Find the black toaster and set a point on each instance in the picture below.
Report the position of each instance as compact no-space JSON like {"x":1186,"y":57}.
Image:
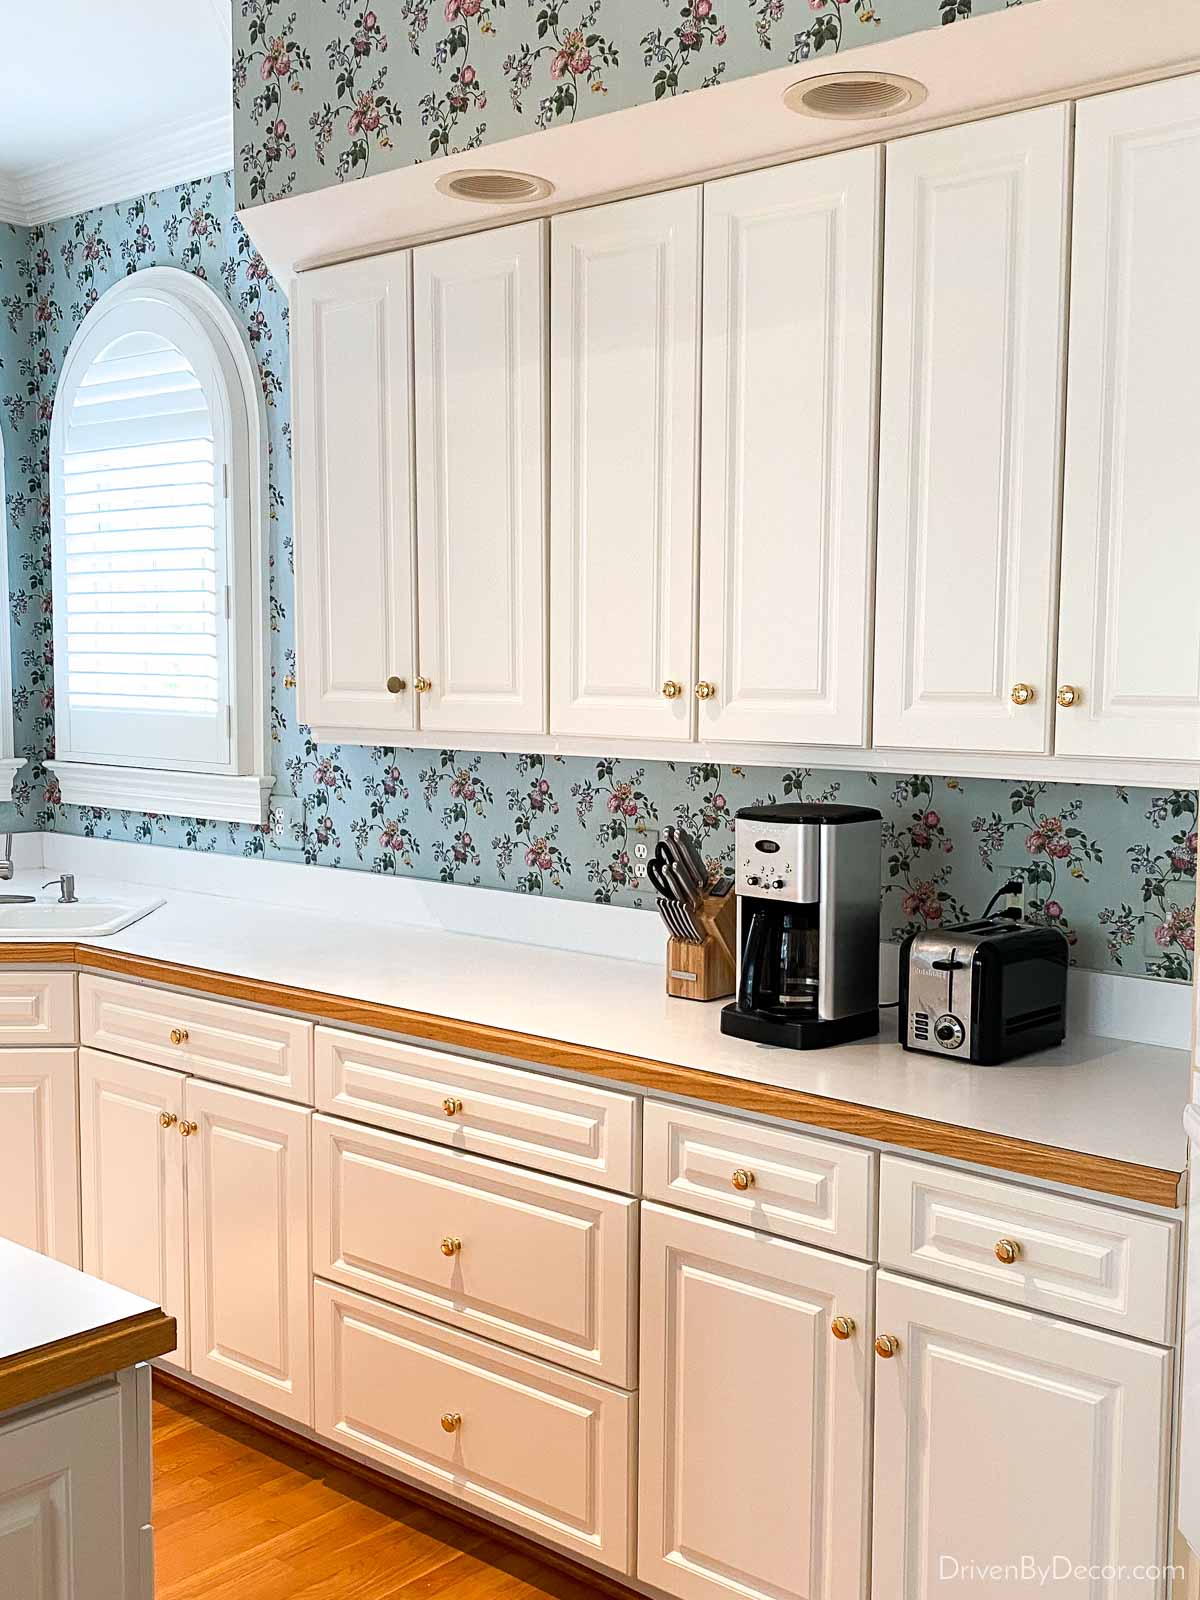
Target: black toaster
{"x":984,"y":991}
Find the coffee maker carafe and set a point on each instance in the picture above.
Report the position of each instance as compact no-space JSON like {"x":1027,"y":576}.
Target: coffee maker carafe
{"x":807,"y":879}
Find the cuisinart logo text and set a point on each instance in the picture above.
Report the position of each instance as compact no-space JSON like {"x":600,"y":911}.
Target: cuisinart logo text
{"x":1060,"y":1569}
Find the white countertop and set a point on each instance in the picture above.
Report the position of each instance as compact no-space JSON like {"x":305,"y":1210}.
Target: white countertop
{"x":1094,"y":1095}
{"x":43,"y":1302}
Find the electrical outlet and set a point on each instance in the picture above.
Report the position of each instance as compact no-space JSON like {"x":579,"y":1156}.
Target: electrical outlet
{"x":285,"y":821}
{"x":1016,"y":900}
{"x":643,"y":842}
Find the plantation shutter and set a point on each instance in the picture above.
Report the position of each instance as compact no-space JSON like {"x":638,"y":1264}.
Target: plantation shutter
{"x":141,"y":542}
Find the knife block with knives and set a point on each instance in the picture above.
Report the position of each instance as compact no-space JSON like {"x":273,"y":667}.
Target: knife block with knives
{"x":700,"y":916}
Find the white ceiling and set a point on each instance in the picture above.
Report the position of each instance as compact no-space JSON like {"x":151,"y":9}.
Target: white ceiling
{"x":98,"y":93}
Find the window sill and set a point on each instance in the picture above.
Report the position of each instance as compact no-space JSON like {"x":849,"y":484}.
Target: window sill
{"x":9,"y":767}
{"x":213,"y":796}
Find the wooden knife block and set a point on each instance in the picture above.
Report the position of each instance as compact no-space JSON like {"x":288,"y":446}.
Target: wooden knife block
{"x":706,"y":971}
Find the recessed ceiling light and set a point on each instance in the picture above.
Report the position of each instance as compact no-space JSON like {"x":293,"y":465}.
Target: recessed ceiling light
{"x":850,"y":96}
{"x":495,"y":188}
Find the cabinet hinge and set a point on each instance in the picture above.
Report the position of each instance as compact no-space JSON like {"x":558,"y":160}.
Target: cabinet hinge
{"x":228,"y":603}
{"x":225,"y":479}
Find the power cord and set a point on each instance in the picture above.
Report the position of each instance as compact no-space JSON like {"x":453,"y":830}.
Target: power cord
{"x":1013,"y":886}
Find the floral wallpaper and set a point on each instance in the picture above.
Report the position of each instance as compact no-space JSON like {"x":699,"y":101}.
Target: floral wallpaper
{"x":327,"y":90}
{"x":1115,"y":868}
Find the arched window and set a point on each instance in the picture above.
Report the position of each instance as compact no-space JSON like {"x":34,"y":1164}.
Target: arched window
{"x":157,"y":465}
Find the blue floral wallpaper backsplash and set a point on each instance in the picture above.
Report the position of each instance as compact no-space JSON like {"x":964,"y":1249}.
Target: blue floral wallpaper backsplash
{"x":1115,"y":868}
{"x":326,"y":90}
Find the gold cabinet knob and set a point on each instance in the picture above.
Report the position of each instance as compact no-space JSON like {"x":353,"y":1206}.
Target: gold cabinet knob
{"x":705,"y":691}
{"x":1068,"y":695}
{"x":167,"y":1119}
{"x":743,"y":1179}
{"x":1007,"y":1251}
{"x":179,"y":1035}
{"x":1023,"y":694}
{"x":672,"y":689}
{"x":842,"y":1327}
{"x":189,"y":1128}
{"x":451,"y":1105}
{"x":396,"y":685}
{"x":886,"y":1346}
{"x":422,"y":685}
{"x":451,"y":1246}
{"x":451,"y":1421}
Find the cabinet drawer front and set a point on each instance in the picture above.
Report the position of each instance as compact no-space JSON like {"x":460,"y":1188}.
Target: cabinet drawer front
{"x":1090,"y":1262}
{"x":539,"y":1264}
{"x":226,"y":1043}
{"x":37,"y":1008}
{"x":567,"y":1128}
{"x":540,"y":1447}
{"x":800,"y":1188}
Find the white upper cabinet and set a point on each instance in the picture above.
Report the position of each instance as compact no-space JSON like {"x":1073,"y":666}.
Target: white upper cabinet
{"x":970,"y":434}
{"x":351,"y":343}
{"x":479,"y":319}
{"x":787,"y":484}
{"x":1129,"y":645}
{"x":624,"y":366}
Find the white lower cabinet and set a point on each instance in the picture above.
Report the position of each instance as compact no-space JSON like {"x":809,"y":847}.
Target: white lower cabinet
{"x":131,"y":1161}
{"x":1005,"y":1437}
{"x":547,"y":1450}
{"x":755,"y":1418}
{"x":69,"y":1517}
{"x":248,"y":1246}
{"x":39,"y":1195}
{"x":197,"y":1197}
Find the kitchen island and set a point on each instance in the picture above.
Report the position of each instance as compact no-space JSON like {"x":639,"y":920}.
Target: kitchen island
{"x":74,"y":1431}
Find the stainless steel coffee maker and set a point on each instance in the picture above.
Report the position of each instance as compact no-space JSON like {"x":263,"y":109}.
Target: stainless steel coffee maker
{"x":807,"y":880}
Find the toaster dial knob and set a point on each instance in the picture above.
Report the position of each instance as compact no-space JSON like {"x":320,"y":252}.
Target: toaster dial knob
{"x":949,"y":1032}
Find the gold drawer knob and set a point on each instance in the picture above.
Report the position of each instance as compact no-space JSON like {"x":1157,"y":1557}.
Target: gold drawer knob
{"x":451,"y":1246}
{"x":422,"y":685}
{"x":1007,"y":1251}
{"x":842,"y":1327}
{"x":451,"y":1105}
{"x":167,"y":1119}
{"x":672,"y":689}
{"x":189,"y":1128}
{"x":179,"y":1035}
{"x":743,"y":1179}
{"x":396,"y":685}
{"x":705,"y":691}
{"x":451,"y":1421}
{"x":1068,"y":695}
{"x":886,"y":1346}
{"x":1023,"y":695}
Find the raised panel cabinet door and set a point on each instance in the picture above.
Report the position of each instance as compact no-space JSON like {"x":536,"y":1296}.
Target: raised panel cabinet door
{"x":351,"y":343}
{"x":1009,"y":1439}
{"x":39,"y":1152}
{"x":63,"y":1521}
{"x":132,"y":1181}
{"x":755,"y":1417}
{"x":788,"y":484}
{"x":1129,"y":645}
{"x":248,"y":1246}
{"x":624,"y":367}
{"x":970,"y":434}
{"x":479,"y":312}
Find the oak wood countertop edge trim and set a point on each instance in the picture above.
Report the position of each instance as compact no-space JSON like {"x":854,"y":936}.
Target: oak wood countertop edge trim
{"x":1124,"y":1180}
{"x":52,"y":1369}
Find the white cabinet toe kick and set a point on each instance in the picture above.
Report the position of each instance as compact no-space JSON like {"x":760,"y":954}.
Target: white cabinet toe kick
{"x":704,"y":1351}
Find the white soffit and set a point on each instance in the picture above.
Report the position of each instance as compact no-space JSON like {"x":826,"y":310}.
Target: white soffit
{"x":100,"y":102}
{"x":1025,"y":55}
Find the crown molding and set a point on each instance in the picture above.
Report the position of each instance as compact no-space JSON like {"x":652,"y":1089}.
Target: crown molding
{"x":194,"y":148}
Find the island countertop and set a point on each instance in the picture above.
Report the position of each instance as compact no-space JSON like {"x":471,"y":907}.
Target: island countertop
{"x":60,"y":1328}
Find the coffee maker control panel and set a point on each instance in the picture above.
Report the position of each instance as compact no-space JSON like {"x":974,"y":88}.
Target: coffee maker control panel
{"x":778,"y":862}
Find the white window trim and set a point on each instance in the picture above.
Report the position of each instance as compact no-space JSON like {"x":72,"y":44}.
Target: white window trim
{"x":10,"y":762}
{"x":242,"y":793}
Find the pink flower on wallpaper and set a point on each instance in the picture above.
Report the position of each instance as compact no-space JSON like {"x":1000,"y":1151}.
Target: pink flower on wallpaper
{"x":1054,"y":911}
{"x":572,"y":57}
{"x":365,"y":117}
{"x":538,"y":855}
{"x":277,"y":61}
{"x":921,"y":900}
{"x":462,"y":8}
{"x":1179,"y":928}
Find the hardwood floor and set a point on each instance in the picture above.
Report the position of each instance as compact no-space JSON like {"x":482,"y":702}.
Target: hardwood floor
{"x":240,"y":1515}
